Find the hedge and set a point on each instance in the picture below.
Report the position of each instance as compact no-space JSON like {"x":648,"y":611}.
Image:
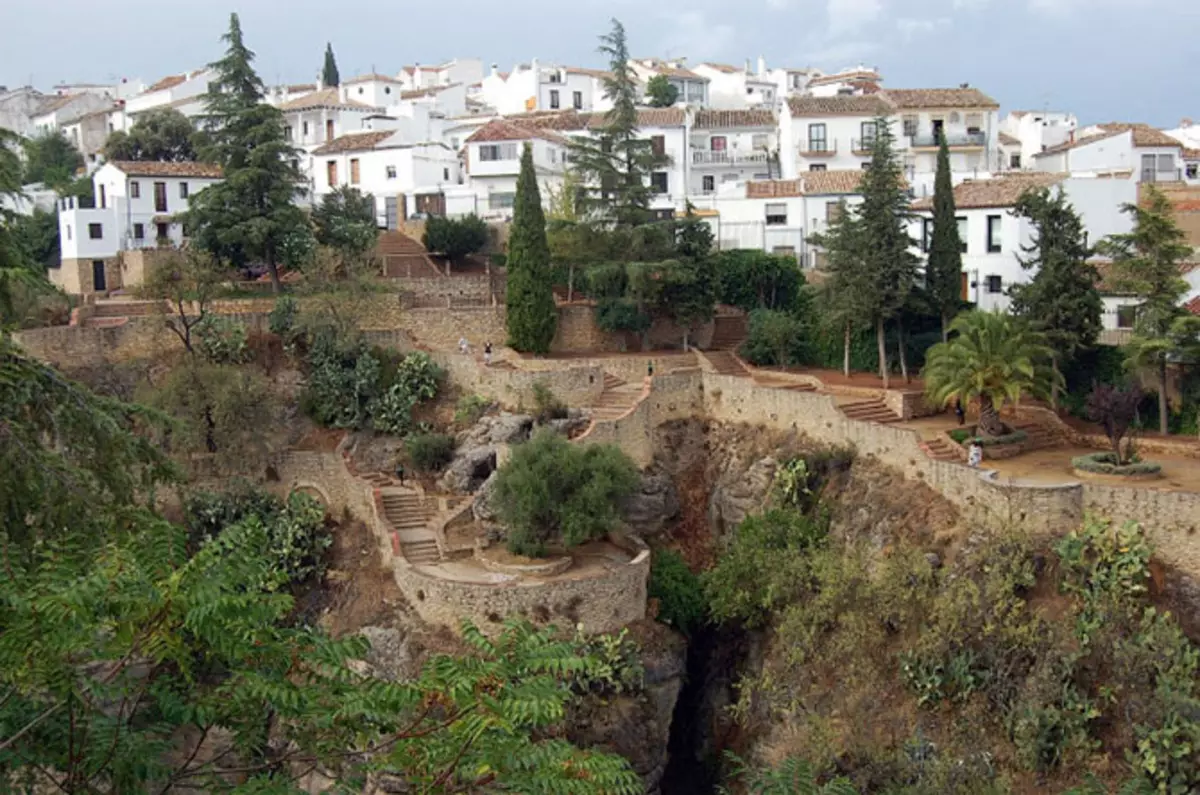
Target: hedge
{"x":1015,"y":437}
{"x":1107,"y":464}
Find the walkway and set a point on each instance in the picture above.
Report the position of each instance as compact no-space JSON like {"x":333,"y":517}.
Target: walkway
{"x":617,"y":398}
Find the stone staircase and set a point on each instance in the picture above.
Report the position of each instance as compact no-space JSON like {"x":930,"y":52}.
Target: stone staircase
{"x":409,"y":516}
{"x":108,"y":313}
{"x":939,"y":448}
{"x":869,"y":411}
{"x":725,"y":363}
{"x":617,"y":398}
{"x":1040,"y":437}
{"x":729,"y":331}
{"x":404,"y":257}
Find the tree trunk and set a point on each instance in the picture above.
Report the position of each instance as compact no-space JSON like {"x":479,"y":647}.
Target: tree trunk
{"x":881,"y":343}
{"x":945,"y":328}
{"x":846,"y":351}
{"x":900,"y":347}
{"x":273,"y":269}
{"x":570,"y":283}
{"x":1054,"y":386}
{"x":989,"y":418}
{"x":1162,"y":396}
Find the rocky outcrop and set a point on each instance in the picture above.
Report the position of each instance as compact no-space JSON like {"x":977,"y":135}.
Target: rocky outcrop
{"x":503,"y":428}
{"x":738,"y":494}
{"x":653,"y":506}
{"x":469,"y":470}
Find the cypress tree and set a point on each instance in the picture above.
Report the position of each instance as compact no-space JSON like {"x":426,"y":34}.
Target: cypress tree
{"x":532,"y":315}
{"x":329,"y":73}
{"x":943,"y":271}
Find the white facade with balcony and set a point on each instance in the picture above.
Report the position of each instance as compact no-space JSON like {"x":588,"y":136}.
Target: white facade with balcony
{"x":828,"y":133}
{"x":1148,"y":154}
{"x":730,"y":147}
{"x":493,"y":157}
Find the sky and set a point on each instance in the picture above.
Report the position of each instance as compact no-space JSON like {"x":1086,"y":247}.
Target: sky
{"x":1104,"y":60}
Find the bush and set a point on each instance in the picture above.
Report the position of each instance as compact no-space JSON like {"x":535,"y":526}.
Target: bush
{"x":1016,"y":437}
{"x":221,"y":341}
{"x":546,"y":404}
{"x":470,"y":409}
{"x":430,"y":452}
{"x":552,"y":491}
{"x":414,"y":379}
{"x":1108,"y":464}
{"x":282,"y":320}
{"x":680,"y":597}
{"x":776,"y":338}
{"x":454,"y":238}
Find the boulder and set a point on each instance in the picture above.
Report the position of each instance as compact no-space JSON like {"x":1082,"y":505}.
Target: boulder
{"x":482,"y":508}
{"x":569,"y":426}
{"x":391,"y":656}
{"x":737,"y":495}
{"x":504,"y":428}
{"x":469,"y":469}
{"x":653,"y":505}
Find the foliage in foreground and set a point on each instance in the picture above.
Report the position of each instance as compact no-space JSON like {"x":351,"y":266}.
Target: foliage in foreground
{"x":554,"y":492}
{"x":679,"y":593}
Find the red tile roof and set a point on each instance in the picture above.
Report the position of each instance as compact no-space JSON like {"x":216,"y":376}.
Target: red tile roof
{"x":1193,"y":305}
{"x":511,"y":130}
{"x":169,"y":81}
{"x":975,"y":194}
{"x":846,"y":77}
{"x":814,"y":183}
{"x":920,"y":98}
{"x":1009,"y":140}
{"x":849,"y":105}
{"x":728,"y":119}
{"x":152,"y":168}
{"x":368,"y":78}
{"x":354,"y":142}
{"x":647,"y":117}
{"x":1143,"y":135}
{"x":325,"y":98}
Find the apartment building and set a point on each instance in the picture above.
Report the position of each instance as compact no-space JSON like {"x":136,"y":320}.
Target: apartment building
{"x":692,"y":87}
{"x":833,"y":133}
{"x":965,"y":116}
{"x":1035,"y":132}
{"x":737,"y":88}
{"x":1148,"y":154}
{"x":730,"y":146}
{"x":537,"y":87}
{"x":493,"y":162}
{"x":323,"y":115}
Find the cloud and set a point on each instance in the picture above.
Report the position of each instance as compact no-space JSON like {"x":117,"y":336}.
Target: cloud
{"x":970,"y":5}
{"x":691,"y":34}
{"x":912,"y":28}
{"x":840,"y":54}
{"x":848,"y":16}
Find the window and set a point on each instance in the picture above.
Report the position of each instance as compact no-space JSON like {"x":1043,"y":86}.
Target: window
{"x":662,"y":215}
{"x":287,"y":132}
{"x":103,"y":197}
{"x":139,"y":231}
{"x":96,"y":231}
{"x":758,"y":142}
{"x":329,"y":129}
{"x":708,"y":183}
{"x":866,"y":166}
{"x":390,"y":172}
{"x":993,"y":234}
{"x":816,"y":138}
{"x":658,"y":145}
{"x":501,"y":201}
{"x":776,"y":214}
{"x":387,"y":89}
{"x":718,"y":143}
{"x":1193,"y":170}
{"x":974,"y":122}
{"x":962,"y":232}
{"x":162,"y":231}
{"x":355,"y":174}
{"x":816,"y":167}
{"x":577,"y":100}
{"x":554,"y":99}
{"x":183,"y":190}
{"x":446,"y":174}
{"x":995,"y":285}
{"x":68,"y":231}
{"x":1126,"y":315}
{"x":867,"y":130}
{"x":833,"y":211}
{"x":160,"y":197}
{"x":1014,"y":160}
{"x":658,"y":182}
{"x":1166,"y":163}
{"x":360,"y":90}
{"x":135,"y":190}
{"x":695,"y":92}
{"x":304,"y":128}
{"x":498,"y":151}
{"x":910,"y":126}
{"x":331,"y":175}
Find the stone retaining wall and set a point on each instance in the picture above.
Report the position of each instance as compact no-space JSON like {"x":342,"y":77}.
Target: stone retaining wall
{"x":512,"y":388}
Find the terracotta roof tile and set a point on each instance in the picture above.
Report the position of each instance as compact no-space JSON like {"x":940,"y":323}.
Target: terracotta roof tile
{"x":52,"y":104}
{"x":663,"y":68}
{"x":601,"y":74}
{"x":354,"y":142}
{"x":843,"y":182}
{"x":974,"y":194}
{"x":430,"y":91}
{"x":325,"y":98}
{"x":151,"y":168}
{"x":1193,"y":305}
{"x":170,"y":81}
{"x":1143,"y":135}
{"x":295,"y":89}
{"x":845,"y":77}
{"x":914,"y":98}
{"x":1191,"y":154}
{"x":511,"y":130}
{"x":560,"y":120}
{"x":369,"y":78}
{"x":724,"y":119}
{"x":1009,"y":140}
{"x":852,"y":105}
{"x":647,"y":117}
{"x":721,"y":67}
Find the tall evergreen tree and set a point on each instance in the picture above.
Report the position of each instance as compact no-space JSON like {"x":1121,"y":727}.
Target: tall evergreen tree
{"x":329,"y":72}
{"x":250,"y":215}
{"x":616,"y":163}
{"x":888,"y":262}
{"x":1061,"y":300}
{"x":532,"y":315}
{"x":943,"y":270}
{"x":1146,"y":264}
{"x":848,"y":293}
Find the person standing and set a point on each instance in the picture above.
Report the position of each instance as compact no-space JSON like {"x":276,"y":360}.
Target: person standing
{"x":487,"y":354}
{"x":400,"y":471}
{"x":959,"y":411}
{"x":975,"y":454}
{"x":463,"y":346}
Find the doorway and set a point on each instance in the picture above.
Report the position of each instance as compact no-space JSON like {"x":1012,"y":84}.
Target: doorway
{"x":160,"y":197}
{"x":98,"y":282}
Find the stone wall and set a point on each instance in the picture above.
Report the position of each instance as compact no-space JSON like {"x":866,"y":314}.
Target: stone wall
{"x":577,"y":332}
{"x":576,"y":385}
{"x":630,"y":367}
{"x":70,"y":347}
{"x":468,"y":289}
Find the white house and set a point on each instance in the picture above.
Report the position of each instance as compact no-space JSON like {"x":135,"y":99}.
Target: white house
{"x":181,"y":91}
{"x":692,"y":87}
{"x":320,"y":117}
{"x":18,"y":107}
{"x":88,"y":133}
{"x":493,"y":162}
{"x":828,"y":133}
{"x":55,"y":112}
{"x":1120,"y":308}
{"x":857,"y":80}
{"x":536,"y":87}
{"x":136,"y":207}
{"x":458,"y":70}
{"x":965,"y":116}
{"x":734,"y":88}
{"x":994,"y":237}
{"x":399,"y":172}
{"x":732,"y":146}
{"x":1148,"y":154}
{"x":1036,"y":131}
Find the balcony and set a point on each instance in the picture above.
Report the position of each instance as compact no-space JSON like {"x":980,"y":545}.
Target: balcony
{"x":976,"y":138}
{"x":818,"y":148}
{"x":704,"y":157}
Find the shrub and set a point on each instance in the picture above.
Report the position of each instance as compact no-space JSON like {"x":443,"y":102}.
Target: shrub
{"x":552,"y":490}
{"x":470,"y":409}
{"x":455,"y":237}
{"x":965,"y":438}
{"x":680,"y":597}
{"x":282,"y":320}
{"x":776,"y":338}
{"x":546,"y":404}
{"x":414,"y":379}
{"x":430,"y":452}
{"x":1108,"y":464}
{"x":221,"y":341}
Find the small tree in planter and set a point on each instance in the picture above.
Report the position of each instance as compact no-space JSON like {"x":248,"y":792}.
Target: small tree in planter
{"x":1115,"y":408}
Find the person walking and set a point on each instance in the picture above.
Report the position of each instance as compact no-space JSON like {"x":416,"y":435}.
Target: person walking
{"x":650,"y":369}
{"x":959,"y":411}
{"x":975,"y":454}
{"x":487,"y":354}
{"x":400,"y":471}
{"x":463,"y":346}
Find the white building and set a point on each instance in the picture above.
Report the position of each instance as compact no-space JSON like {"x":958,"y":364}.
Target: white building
{"x":734,"y":88}
{"x":828,"y":133}
{"x":692,"y":87}
{"x":56,"y":112}
{"x":318,"y":118}
{"x":88,"y":133}
{"x":184,"y":92}
{"x":858,"y":80}
{"x":1036,"y":131}
{"x":967,"y":118}
{"x":729,"y":146}
{"x":136,"y":207}
{"x":18,"y":107}
{"x":459,"y":70}
{"x":1187,"y":133}
{"x":536,"y":87}
{"x":1120,"y":308}
{"x":493,"y":162}
{"x":401,"y":174}
{"x":1138,"y":149}
{"x":994,"y":237}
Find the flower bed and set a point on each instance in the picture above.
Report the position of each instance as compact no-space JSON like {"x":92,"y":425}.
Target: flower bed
{"x":995,"y":448}
{"x":1107,"y":464}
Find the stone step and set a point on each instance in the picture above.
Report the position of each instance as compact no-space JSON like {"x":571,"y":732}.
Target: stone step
{"x":420,"y":552}
{"x":612,"y":382}
{"x":870,"y":411}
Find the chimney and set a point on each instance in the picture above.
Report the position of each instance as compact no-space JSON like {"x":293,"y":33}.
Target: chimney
{"x":417,"y":75}
{"x":320,"y":82}
{"x":747,"y":66}
{"x":1072,"y":138}
{"x":533,"y":67}
{"x":495,"y":70}
{"x":762,"y":66}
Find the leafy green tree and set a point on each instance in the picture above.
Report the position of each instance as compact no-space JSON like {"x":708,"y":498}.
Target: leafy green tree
{"x":532,"y":315}
{"x":554,"y":492}
{"x":249,"y":216}
{"x":1061,"y":300}
{"x":22,"y":241}
{"x":345,"y":221}
{"x":329,"y":71}
{"x":752,"y":279}
{"x":455,"y":238}
{"x":1146,"y":264}
{"x":775,"y":337}
{"x":660,"y":93}
{"x":161,"y":134}
{"x":1115,"y":408}
{"x":678,"y":591}
{"x":615,"y":164}
{"x":133,"y":660}
{"x":52,"y":160}
{"x":993,"y":358}
{"x":943,"y":270}
{"x":848,"y":292}
{"x":37,"y":236}
{"x":693,"y":236}
{"x":687,"y":293}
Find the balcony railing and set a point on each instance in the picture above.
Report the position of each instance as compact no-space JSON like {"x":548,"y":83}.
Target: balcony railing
{"x":705,"y":157}
{"x":969,"y":138}
{"x":1172,"y":175}
{"x":818,"y":148}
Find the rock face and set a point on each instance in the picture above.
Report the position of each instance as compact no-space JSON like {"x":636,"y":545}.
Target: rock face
{"x":391,"y":656}
{"x":469,"y":470}
{"x":653,"y":506}
{"x":738,"y":494}
{"x":503,"y":428}
{"x":482,"y":508}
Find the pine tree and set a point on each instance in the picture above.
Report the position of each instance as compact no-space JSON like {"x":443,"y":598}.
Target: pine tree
{"x":616,"y":163}
{"x":1061,"y":300}
{"x":532,"y":315}
{"x":849,"y":288}
{"x":329,"y":72}
{"x":943,"y":271}
{"x":250,"y":215}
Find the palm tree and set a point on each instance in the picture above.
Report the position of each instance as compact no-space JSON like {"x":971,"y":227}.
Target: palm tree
{"x":992,"y":358}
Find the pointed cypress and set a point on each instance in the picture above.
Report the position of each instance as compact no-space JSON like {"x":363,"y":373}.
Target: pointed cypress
{"x":532,"y":316}
{"x":943,"y":271}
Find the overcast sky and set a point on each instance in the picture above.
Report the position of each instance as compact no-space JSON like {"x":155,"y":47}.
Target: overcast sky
{"x":1106,"y":60}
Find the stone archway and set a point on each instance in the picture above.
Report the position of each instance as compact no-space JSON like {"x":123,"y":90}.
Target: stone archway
{"x":313,"y":490}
